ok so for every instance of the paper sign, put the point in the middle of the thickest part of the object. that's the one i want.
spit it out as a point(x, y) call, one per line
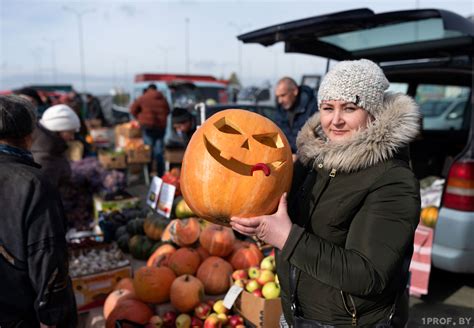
point(231, 296)
point(154, 192)
point(165, 201)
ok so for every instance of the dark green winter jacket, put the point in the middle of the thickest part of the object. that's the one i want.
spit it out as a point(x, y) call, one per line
point(354, 226)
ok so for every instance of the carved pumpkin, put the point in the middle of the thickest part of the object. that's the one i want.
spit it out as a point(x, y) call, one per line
point(217, 240)
point(114, 298)
point(237, 163)
point(214, 273)
point(186, 293)
point(246, 256)
point(152, 285)
point(184, 261)
point(132, 310)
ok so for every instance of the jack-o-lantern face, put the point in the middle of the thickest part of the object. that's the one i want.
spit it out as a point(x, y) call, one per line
point(237, 163)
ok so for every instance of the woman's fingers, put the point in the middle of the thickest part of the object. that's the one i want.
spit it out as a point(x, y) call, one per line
point(249, 231)
point(248, 222)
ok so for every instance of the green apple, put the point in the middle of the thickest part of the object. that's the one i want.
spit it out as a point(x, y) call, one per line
point(219, 307)
point(254, 272)
point(252, 285)
point(268, 263)
point(183, 321)
point(265, 276)
point(271, 290)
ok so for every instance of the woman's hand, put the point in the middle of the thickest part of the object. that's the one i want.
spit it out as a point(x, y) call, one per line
point(272, 229)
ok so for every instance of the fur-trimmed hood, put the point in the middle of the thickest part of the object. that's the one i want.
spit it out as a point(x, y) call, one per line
point(394, 127)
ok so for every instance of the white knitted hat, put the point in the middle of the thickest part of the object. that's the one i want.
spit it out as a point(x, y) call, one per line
point(361, 82)
point(60, 118)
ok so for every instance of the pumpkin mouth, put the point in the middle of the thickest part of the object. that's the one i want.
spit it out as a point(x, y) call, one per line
point(239, 167)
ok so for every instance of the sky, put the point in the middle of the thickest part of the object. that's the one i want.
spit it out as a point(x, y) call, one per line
point(40, 40)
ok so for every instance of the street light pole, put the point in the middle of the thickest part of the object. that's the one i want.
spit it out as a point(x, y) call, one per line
point(79, 15)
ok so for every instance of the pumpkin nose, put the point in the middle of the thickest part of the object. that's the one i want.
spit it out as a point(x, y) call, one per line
point(245, 144)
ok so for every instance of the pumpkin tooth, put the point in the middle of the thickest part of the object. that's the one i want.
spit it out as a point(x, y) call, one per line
point(225, 155)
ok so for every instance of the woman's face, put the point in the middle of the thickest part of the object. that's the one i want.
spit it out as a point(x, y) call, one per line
point(340, 120)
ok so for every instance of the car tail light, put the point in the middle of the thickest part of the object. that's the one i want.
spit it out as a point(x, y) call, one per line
point(459, 192)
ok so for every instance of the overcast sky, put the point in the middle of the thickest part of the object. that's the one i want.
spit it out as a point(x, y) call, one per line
point(39, 40)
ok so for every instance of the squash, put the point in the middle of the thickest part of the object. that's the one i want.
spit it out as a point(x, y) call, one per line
point(153, 227)
point(247, 162)
point(185, 232)
point(135, 227)
point(186, 293)
point(140, 247)
point(246, 256)
point(129, 309)
point(217, 240)
point(156, 256)
point(184, 261)
point(122, 242)
point(152, 285)
point(114, 298)
point(214, 273)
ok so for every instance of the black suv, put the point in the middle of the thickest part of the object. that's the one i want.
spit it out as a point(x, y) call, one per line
point(428, 55)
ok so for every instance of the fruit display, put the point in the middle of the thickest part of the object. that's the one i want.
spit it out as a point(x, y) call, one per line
point(248, 165)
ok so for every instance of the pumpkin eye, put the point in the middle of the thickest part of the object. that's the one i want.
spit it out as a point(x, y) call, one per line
point(225, 126)
point(269, 139)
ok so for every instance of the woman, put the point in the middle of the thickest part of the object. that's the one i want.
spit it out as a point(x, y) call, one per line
point(345, 241)
point(57, 126)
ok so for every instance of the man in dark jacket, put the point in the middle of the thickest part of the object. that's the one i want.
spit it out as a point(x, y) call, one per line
point(35, 286)
point(295, 106)
point(151, 111)
point(183, 129)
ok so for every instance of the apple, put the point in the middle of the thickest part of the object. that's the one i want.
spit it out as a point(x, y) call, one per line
point(169, 319)
point(268, 263)
point(155, 322)
point(258, 293)
point(240, 282)
point(236, 320)
point(223, 318)
point(219, 307)
point(196, 322)
point(211, 303)
point(212, 321)
point(252, 285)
point(202, 311)
point(240, 326)
point(265, 276)
point(240, 274)
point(271, 290)
point(253, 272)
point(183, 321)
point(276, 279)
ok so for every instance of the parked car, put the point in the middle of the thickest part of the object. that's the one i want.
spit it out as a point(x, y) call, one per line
point(428, 55)
point(443, 114)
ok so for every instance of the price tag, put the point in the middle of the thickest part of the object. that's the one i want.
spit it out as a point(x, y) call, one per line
point(154, 192)
point(165, 202)
point(232, 294)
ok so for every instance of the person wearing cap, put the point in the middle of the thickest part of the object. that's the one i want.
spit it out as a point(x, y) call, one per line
point(344, 237)
point(35, 285)
point(58, 125)
point(183, 128)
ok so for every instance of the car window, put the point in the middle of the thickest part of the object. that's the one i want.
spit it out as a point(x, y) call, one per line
point(442, 106)
point(398, 87)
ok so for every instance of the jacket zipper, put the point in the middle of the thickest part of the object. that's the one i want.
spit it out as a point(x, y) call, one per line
point(352, 313)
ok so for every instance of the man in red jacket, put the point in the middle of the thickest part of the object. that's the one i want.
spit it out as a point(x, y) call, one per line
point(151, 110)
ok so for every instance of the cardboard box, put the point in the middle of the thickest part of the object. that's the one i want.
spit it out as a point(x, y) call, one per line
point(112, 160)
point(102, 137)
point(126, 131)
point(92, 290)
point(259, 311)
point(140, 155)
point(118, 203)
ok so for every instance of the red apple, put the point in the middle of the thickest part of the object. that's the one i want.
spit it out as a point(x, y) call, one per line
point(196, 322)
point(169, 319)
point(202, 311)
point(252, 285)
point(210, 303)
point(240, 274)
point(236, 320)
point(240, 282)
point(265, 276)
point(212, 321)
point(258, 293)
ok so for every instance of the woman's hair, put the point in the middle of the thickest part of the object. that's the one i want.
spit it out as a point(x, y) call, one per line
point(17, 117)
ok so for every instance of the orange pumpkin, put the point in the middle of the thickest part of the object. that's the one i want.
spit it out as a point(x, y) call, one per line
point(214, 273)
point(184, 261)
point(166, 236)
point(157, 254)
point(429, 216)
point(203, 253)
point(246, 256)
point(185, 232)
point(125, 283)
point(114, 298)
point(186, 293)
point(130, 309)
point(152, 285)
point(217, 240)
point(238, 163)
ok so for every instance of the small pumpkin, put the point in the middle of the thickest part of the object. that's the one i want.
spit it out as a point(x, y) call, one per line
point(122, 230)
point(135, 226)
point(129, 309)
point(217, 240)
point(185, 232)
point(125, 283)
point(114, 298)
point(152, 284)
point(429, 216)
point(246, 256)
point(186, 293)
point(214, 273)
point(122, 242)
point(164, 249)
point(153, 227)
point(140, 247)
point(166, 236)
point(184, 261)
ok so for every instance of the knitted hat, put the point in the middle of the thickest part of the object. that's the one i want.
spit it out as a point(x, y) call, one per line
point(180, 115)
point(361, 82)
point(17, 117)
point(60, 118)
